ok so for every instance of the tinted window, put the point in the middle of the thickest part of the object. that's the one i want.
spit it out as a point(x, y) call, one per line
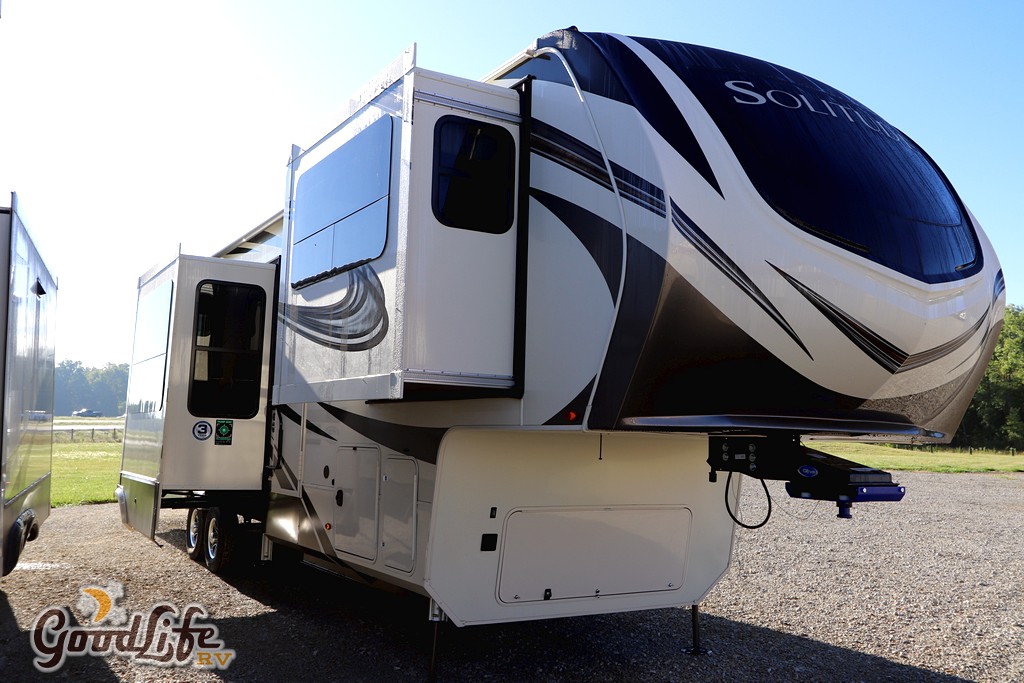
point(227, 350)
point(341, 207)
point(350, 242)
point(831, 166)
point(474, 175)
point(353, 176)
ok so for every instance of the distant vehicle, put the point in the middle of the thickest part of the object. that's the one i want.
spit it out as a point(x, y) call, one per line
point(28, 306)
point(87, 412)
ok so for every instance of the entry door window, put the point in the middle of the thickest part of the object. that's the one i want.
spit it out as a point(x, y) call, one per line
point(227, 350)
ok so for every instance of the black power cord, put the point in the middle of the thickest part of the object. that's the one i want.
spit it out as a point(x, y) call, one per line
point(767, 516)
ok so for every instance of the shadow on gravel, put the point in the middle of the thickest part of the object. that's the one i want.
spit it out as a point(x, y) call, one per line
point(16, 656)
point(329, 629)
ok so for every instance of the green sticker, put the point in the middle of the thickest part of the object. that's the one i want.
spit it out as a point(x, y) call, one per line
point(222, 436)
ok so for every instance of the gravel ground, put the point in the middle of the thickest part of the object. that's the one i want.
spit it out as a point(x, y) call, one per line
point(923, 590)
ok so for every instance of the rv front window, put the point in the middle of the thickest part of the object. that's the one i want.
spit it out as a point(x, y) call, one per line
point(474, 181)
point(227, 350)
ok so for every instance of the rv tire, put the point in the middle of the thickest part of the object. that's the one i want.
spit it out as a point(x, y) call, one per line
point(221, 533)
point(195, 534)
point(15, 544)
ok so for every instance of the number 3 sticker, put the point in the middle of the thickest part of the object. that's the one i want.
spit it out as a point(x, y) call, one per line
point(202, 430)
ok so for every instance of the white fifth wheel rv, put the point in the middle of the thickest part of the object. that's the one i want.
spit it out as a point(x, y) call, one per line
point(28, 306)
point(505, 334)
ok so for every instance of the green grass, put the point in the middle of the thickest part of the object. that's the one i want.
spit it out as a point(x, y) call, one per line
point(84, 472)
point(922, 459)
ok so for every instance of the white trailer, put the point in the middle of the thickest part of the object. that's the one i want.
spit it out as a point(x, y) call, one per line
point(28, 306)
point(504, 333)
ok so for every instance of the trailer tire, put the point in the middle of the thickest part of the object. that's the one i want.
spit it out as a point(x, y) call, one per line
point(221, 533)
point(195, 534)
point(11, 550)
point(17, 535)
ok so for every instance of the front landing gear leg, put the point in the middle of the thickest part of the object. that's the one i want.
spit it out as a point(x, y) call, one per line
point(437, 616)
point(696, 649)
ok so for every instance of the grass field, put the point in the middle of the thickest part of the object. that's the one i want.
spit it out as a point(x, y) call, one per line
point(922, 459)
point(86, 472)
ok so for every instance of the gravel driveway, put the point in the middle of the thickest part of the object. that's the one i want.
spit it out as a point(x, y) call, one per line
point(928, 589)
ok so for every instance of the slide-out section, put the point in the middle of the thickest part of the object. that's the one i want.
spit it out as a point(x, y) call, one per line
point(198, 387)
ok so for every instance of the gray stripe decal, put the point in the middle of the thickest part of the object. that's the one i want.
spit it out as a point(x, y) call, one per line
point(563, 149)
point(712, 252)
point(639, 191)
point(880, 350)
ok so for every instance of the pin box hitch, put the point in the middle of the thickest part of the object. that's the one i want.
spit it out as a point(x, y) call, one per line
point(809, 474)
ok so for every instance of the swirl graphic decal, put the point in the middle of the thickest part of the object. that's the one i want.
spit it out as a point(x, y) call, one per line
point(357, 322)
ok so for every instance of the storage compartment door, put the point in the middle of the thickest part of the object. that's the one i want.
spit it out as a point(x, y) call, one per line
point(398, 513)
point(560, 553)
point(355, 512)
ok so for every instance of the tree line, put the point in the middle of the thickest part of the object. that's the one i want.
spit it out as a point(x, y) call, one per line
point(103, 389)
point(993, 419)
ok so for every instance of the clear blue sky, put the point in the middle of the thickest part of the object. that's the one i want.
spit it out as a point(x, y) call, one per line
point(128, 127)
